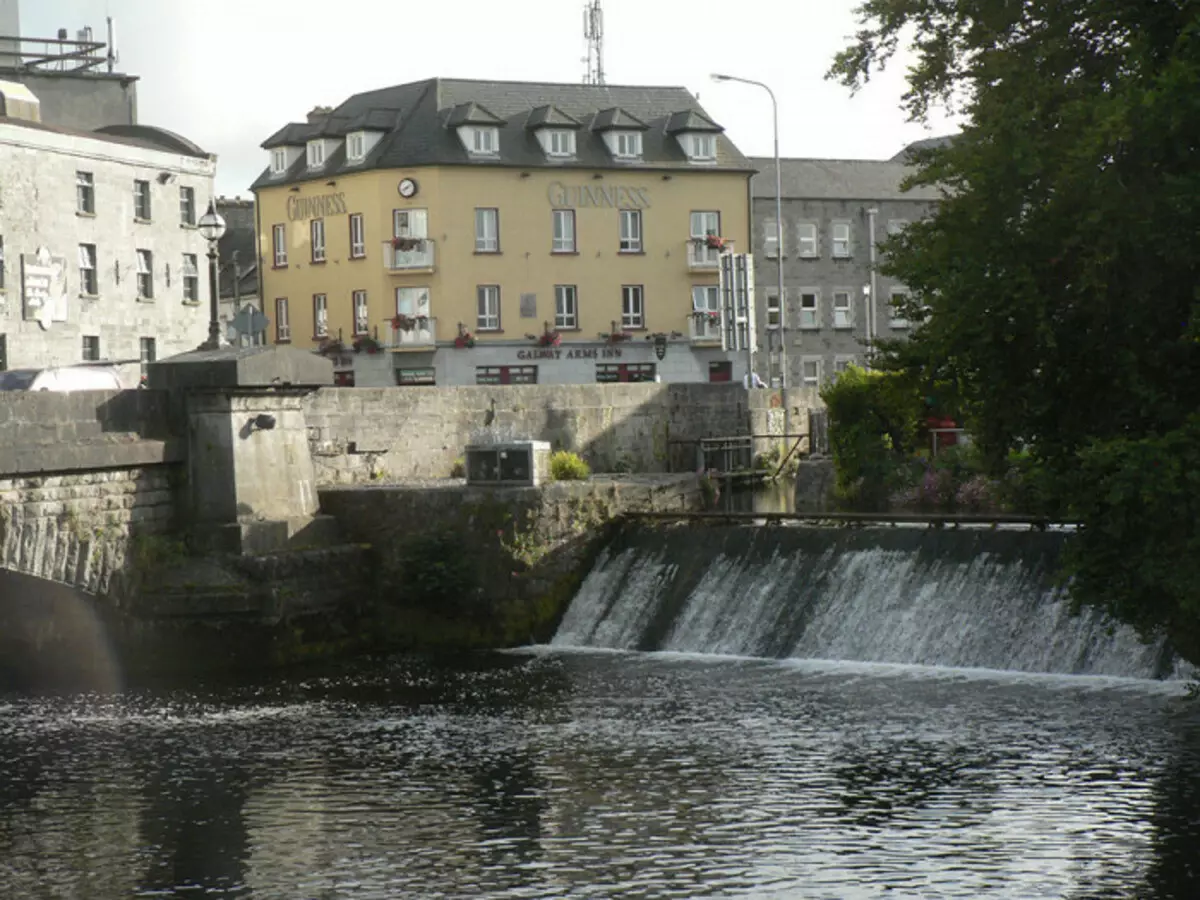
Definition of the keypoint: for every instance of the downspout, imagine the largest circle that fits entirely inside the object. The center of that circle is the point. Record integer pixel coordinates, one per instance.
(872, 309)
(259, 270)
(237, 293)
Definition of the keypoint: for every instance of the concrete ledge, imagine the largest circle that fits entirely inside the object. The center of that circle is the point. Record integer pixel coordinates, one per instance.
(115, 452)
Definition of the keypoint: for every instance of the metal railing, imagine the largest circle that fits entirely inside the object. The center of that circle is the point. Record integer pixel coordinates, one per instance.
(422, 332)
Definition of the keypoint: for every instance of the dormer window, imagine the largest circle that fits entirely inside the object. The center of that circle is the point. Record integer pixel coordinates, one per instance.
(560, 143)
(701, 147)
(279, 161)
(356, 146)
(485, 141)
(627, 144)
(316, 154)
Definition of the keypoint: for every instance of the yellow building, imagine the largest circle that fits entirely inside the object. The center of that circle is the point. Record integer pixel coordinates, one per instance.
(469, 232)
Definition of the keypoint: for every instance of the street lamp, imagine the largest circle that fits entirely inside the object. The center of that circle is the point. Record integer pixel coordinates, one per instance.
(778, 219)
(212, 229)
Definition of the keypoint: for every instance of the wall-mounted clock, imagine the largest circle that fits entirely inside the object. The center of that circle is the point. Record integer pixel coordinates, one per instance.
(407, 188)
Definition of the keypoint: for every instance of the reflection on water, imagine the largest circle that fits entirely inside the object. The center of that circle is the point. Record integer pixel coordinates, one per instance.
(778, 496)
(547, 775)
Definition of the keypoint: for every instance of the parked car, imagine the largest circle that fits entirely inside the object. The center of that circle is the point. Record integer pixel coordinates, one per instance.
(61, 379)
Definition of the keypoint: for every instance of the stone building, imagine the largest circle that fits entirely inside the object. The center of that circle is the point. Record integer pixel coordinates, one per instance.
(474, 232)
(238, 270)
(100, 258)
(835, 214)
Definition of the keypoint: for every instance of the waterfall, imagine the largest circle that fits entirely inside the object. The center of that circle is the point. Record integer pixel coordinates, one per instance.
(969, 598)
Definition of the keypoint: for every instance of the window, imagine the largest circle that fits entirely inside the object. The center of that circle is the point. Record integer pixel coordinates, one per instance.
(85, 193)
(560, 143)
(191, 279)
(361, 315)
(506, 374)
(87, 270)
(631, 231)
(810, 310)
(187, 206)
(843, 311)
(278, 161)
(279, 242)
(703, 224)
(412, 302)
(148, 353)
(358, 237)
(770, 238)
(898, 308)
(627, 144)
(356, 146)
(141, 201)
(720, 370)
(702, 147)
(320, 315)
(610, 373)
(806, 239)
(841, 240)
(485, 141)
(91, 348)
(564, 231)
(283, 324)
(317, 229)
(410, 223)
(145, 275)
(842, 363)
(566, 306)
(706, 298)
(316, 154)
(774, 313)
(810, 371)
(409, 377)
(1, 262)
(487, 300)
(633, 306)
(487, 230)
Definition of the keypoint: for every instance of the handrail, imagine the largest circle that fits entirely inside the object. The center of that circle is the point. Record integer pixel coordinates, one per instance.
(935, 520)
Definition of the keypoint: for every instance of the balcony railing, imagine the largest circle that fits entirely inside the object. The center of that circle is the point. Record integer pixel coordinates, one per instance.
(420, 331)
(415, 255)
(703, 330)
(702, 256)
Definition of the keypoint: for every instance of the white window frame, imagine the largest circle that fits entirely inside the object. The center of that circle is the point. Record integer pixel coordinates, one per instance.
(485, 140)
(89, 283)
(279, 244)
(807, 243)
(487, 307)
(315, 154)
(566, 306)
(627, 145)
(702, 147)
(809, 318)
(283, 323)
(356, 146)
(560, 143)
(815, 364)
(320, 308)
(894, 320)
(187, 205)
(279, 160)
(630, 231)
(843, 315)
(770, 235)
(145, 274)
(362, 312)
(412, 302)
(191, 278)
(143, 207)
(487, 229)
(633, 306)
(358, 236)
(698, 229)
(774, 309)
(89, 350)
(840, 241)
(706, 298)
(563, 233)
(147, 352)
(316, 231)
(85, 193)
(410, 223)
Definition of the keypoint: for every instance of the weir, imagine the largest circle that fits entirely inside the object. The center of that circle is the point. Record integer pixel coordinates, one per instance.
(958, 598)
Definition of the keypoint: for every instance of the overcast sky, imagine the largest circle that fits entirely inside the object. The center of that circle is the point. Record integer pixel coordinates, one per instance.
(228, 73)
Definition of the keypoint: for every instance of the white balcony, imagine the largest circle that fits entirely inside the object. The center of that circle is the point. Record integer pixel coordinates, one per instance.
(704, 330)
(418, 332)
(702, 257)
(409, 255)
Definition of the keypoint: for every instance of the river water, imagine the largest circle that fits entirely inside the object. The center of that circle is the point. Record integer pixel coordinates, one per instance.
(592, 774)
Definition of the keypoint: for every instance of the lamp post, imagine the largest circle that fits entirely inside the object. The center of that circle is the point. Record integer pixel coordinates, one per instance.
(212, 229)
(778, 221)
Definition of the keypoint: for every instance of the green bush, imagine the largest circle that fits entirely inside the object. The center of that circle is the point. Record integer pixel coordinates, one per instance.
(459, 468)
(567, 466)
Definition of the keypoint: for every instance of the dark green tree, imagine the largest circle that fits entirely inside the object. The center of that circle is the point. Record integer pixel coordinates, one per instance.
(1057, 284)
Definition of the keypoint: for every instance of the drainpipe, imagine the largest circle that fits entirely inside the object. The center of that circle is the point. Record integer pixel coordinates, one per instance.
(872, 309)
(258, 267)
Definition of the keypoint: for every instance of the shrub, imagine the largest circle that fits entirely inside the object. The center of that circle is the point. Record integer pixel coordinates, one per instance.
(459, 469)
(568, 466)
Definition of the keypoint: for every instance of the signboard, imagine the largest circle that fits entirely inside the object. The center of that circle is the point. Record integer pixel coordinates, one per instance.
(529, 306)
(44, 287)
(554, 354)
(249, 320)
(595, 196)
(316, 207)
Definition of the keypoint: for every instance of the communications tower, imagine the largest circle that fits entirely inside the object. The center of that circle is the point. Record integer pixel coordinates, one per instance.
(593, 32)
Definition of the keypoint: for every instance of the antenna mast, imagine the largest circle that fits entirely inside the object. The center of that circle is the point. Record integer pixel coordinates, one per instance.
(593, 31)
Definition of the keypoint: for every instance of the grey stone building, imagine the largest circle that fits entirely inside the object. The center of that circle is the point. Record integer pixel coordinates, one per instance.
(238, 282)
(100, 257)
(835, 214)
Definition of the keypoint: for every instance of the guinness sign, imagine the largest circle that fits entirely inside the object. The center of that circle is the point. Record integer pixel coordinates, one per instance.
(595, 196)
(316, 207)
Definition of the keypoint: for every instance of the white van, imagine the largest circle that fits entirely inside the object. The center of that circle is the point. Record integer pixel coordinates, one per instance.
(61, 379)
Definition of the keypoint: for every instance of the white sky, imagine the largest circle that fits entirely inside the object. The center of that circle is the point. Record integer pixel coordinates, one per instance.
(228, 73)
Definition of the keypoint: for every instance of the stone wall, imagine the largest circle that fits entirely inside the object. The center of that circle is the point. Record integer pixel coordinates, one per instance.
(363, 435)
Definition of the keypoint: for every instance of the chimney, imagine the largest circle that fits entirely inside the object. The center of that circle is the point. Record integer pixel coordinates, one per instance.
(316, 114)
(10, 27)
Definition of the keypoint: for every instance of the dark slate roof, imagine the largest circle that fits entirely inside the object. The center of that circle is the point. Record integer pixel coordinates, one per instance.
(691, 120)
(932, 143)
(472, 113)
(374, 120)
(837, 179)
(550, 116)
(130, 135)
(424, 134)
